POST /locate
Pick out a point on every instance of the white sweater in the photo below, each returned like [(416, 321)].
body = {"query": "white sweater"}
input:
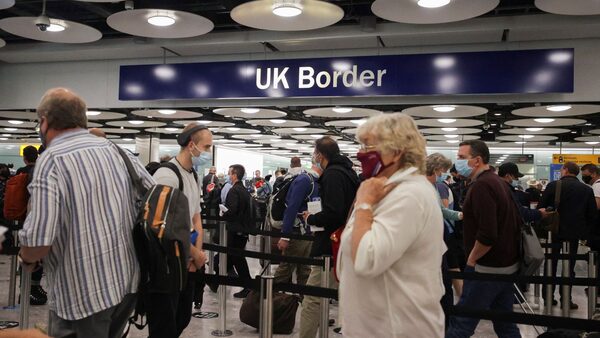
[(395, 287)]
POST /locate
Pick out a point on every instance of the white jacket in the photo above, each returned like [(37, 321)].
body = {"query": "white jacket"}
[(395, 287)]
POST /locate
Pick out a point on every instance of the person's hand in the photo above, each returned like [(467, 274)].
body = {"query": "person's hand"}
[(543, 212), (461, 216), (283, 244), (198, 258), (305, 216), (373, 190)]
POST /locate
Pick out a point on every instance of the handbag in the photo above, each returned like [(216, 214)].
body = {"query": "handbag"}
[(552, 221)]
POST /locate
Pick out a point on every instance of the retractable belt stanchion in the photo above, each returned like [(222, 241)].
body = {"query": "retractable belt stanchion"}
[(209, 254), (324, 325), (537, 291), (592, 273), (12, 284), (548, 296), (222, 331), (25, 292), (266, 307), (565, 296)]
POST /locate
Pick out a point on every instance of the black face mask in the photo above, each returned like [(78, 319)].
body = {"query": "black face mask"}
[(586, 179)]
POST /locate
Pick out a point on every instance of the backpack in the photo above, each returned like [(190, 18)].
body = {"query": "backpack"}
[(276, 204), (161, 237), (16, 198), (284, 311)]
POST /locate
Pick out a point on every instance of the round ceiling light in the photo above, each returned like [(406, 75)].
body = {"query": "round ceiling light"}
[(526, 136), (446, 120), (287, 9), (534, 129), (161, 20), (249, 110), (451, 136), (592, 142), (55, 28), (136, 122), (449, 129), (233, 128), (341, 110), (359, 122), (167, 111), (433, 3), (444, 109), (558, 108), (10, 129), (452, 141), (58, 31), (171, 129), (544, 120), (92, 113), (278, 121), (15, 122), (300, 129)]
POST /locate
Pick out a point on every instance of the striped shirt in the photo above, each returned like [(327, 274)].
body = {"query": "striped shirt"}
[(82, 206)]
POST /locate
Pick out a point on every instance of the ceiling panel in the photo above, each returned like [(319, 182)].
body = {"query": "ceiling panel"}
[(557, 33), (316, 44), (442, 38), (233, 48)]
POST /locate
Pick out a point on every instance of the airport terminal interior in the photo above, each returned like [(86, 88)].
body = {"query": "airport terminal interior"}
[(268, 78)]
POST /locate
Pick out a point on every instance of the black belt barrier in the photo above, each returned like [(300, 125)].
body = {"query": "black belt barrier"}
[(261, 255), (523, 279)]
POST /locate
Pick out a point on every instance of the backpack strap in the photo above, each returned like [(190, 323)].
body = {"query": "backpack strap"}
[(557, 195), (174, 168), (135, 178)]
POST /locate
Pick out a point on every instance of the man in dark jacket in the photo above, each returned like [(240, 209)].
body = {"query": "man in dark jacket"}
[(577, 210), (238, 212), (337, 185), (509, 172), (209, 179)]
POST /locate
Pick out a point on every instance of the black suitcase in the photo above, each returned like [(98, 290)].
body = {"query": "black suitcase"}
[(284, 311)]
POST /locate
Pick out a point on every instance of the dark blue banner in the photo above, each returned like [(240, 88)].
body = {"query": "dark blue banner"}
[(499, 72)]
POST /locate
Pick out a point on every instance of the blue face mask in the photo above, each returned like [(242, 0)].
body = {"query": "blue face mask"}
[(462, 167), (440, 179), (515, 183), (202, 160)]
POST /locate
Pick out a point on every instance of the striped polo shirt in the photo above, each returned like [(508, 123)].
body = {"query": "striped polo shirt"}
[(82, 206)]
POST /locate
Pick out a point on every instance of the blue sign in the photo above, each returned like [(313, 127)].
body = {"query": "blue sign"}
[(525, 71)]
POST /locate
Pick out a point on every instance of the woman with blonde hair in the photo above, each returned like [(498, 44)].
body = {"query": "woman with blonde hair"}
[(391, 249)]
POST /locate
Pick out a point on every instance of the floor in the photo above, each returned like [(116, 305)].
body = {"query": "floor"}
[(203, 327)]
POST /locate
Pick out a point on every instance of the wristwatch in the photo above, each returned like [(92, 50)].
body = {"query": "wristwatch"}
[(363, 206)]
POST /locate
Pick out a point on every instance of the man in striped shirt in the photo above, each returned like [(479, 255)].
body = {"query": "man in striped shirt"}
[(80, 223)]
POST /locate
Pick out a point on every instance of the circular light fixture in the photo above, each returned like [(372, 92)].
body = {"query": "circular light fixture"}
[(167, 111), (92, 113), (558, 108), (592, 142), (358, 122), (136, 122), (521, 142), (171, 129), (444, 109), (127, 139), (54, 27), (15, 122), (433, 3), (452, 141), (287, 9), (6, 135), (276, 121), (315, 136), (498, 114), (573, 132), (534, 129), (526, 136), (233, 128), (544, 120), (249, 110), (451, 136), (300, 129), (449, 129), (446, 120), (341, 110), (161, 20), (204, 122), (10, 129)]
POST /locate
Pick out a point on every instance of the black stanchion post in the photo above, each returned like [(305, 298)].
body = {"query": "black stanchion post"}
[(592, 273), (537, 291), (565, 296), (222, 331), (210, 255), (25, 292), (266, 307), (324, 325), (548, 296)]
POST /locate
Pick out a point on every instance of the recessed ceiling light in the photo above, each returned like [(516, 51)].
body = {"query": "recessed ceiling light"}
[(15, 122), (161, 20), (55, 28), (6, 135), (93, 113), (249, 110), (526, 136), (493, 124), (127, 139), (498, 114), (287, 8), (315, 136), (359, 122), (544, 120), (449, 129), (204, 121), (233, 128), (521, 142), (433, 3), (446, 120), (588, 124), (136, 122), (3, 139), (444, 109), (558, 108), (300, 129), (573, 132), (277, 121), (534, 129), (167, 111), (451, 136), (341, 110), (171, 129), (592, 142), (452, 141), (10, 129)]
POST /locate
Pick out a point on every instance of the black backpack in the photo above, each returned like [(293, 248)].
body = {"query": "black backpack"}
[(161, 236), (277, 199)]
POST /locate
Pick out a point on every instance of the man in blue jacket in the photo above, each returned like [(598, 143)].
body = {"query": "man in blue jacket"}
[(302, 189)]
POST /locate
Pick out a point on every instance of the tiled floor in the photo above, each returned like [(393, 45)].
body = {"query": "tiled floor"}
[(204, 327)]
